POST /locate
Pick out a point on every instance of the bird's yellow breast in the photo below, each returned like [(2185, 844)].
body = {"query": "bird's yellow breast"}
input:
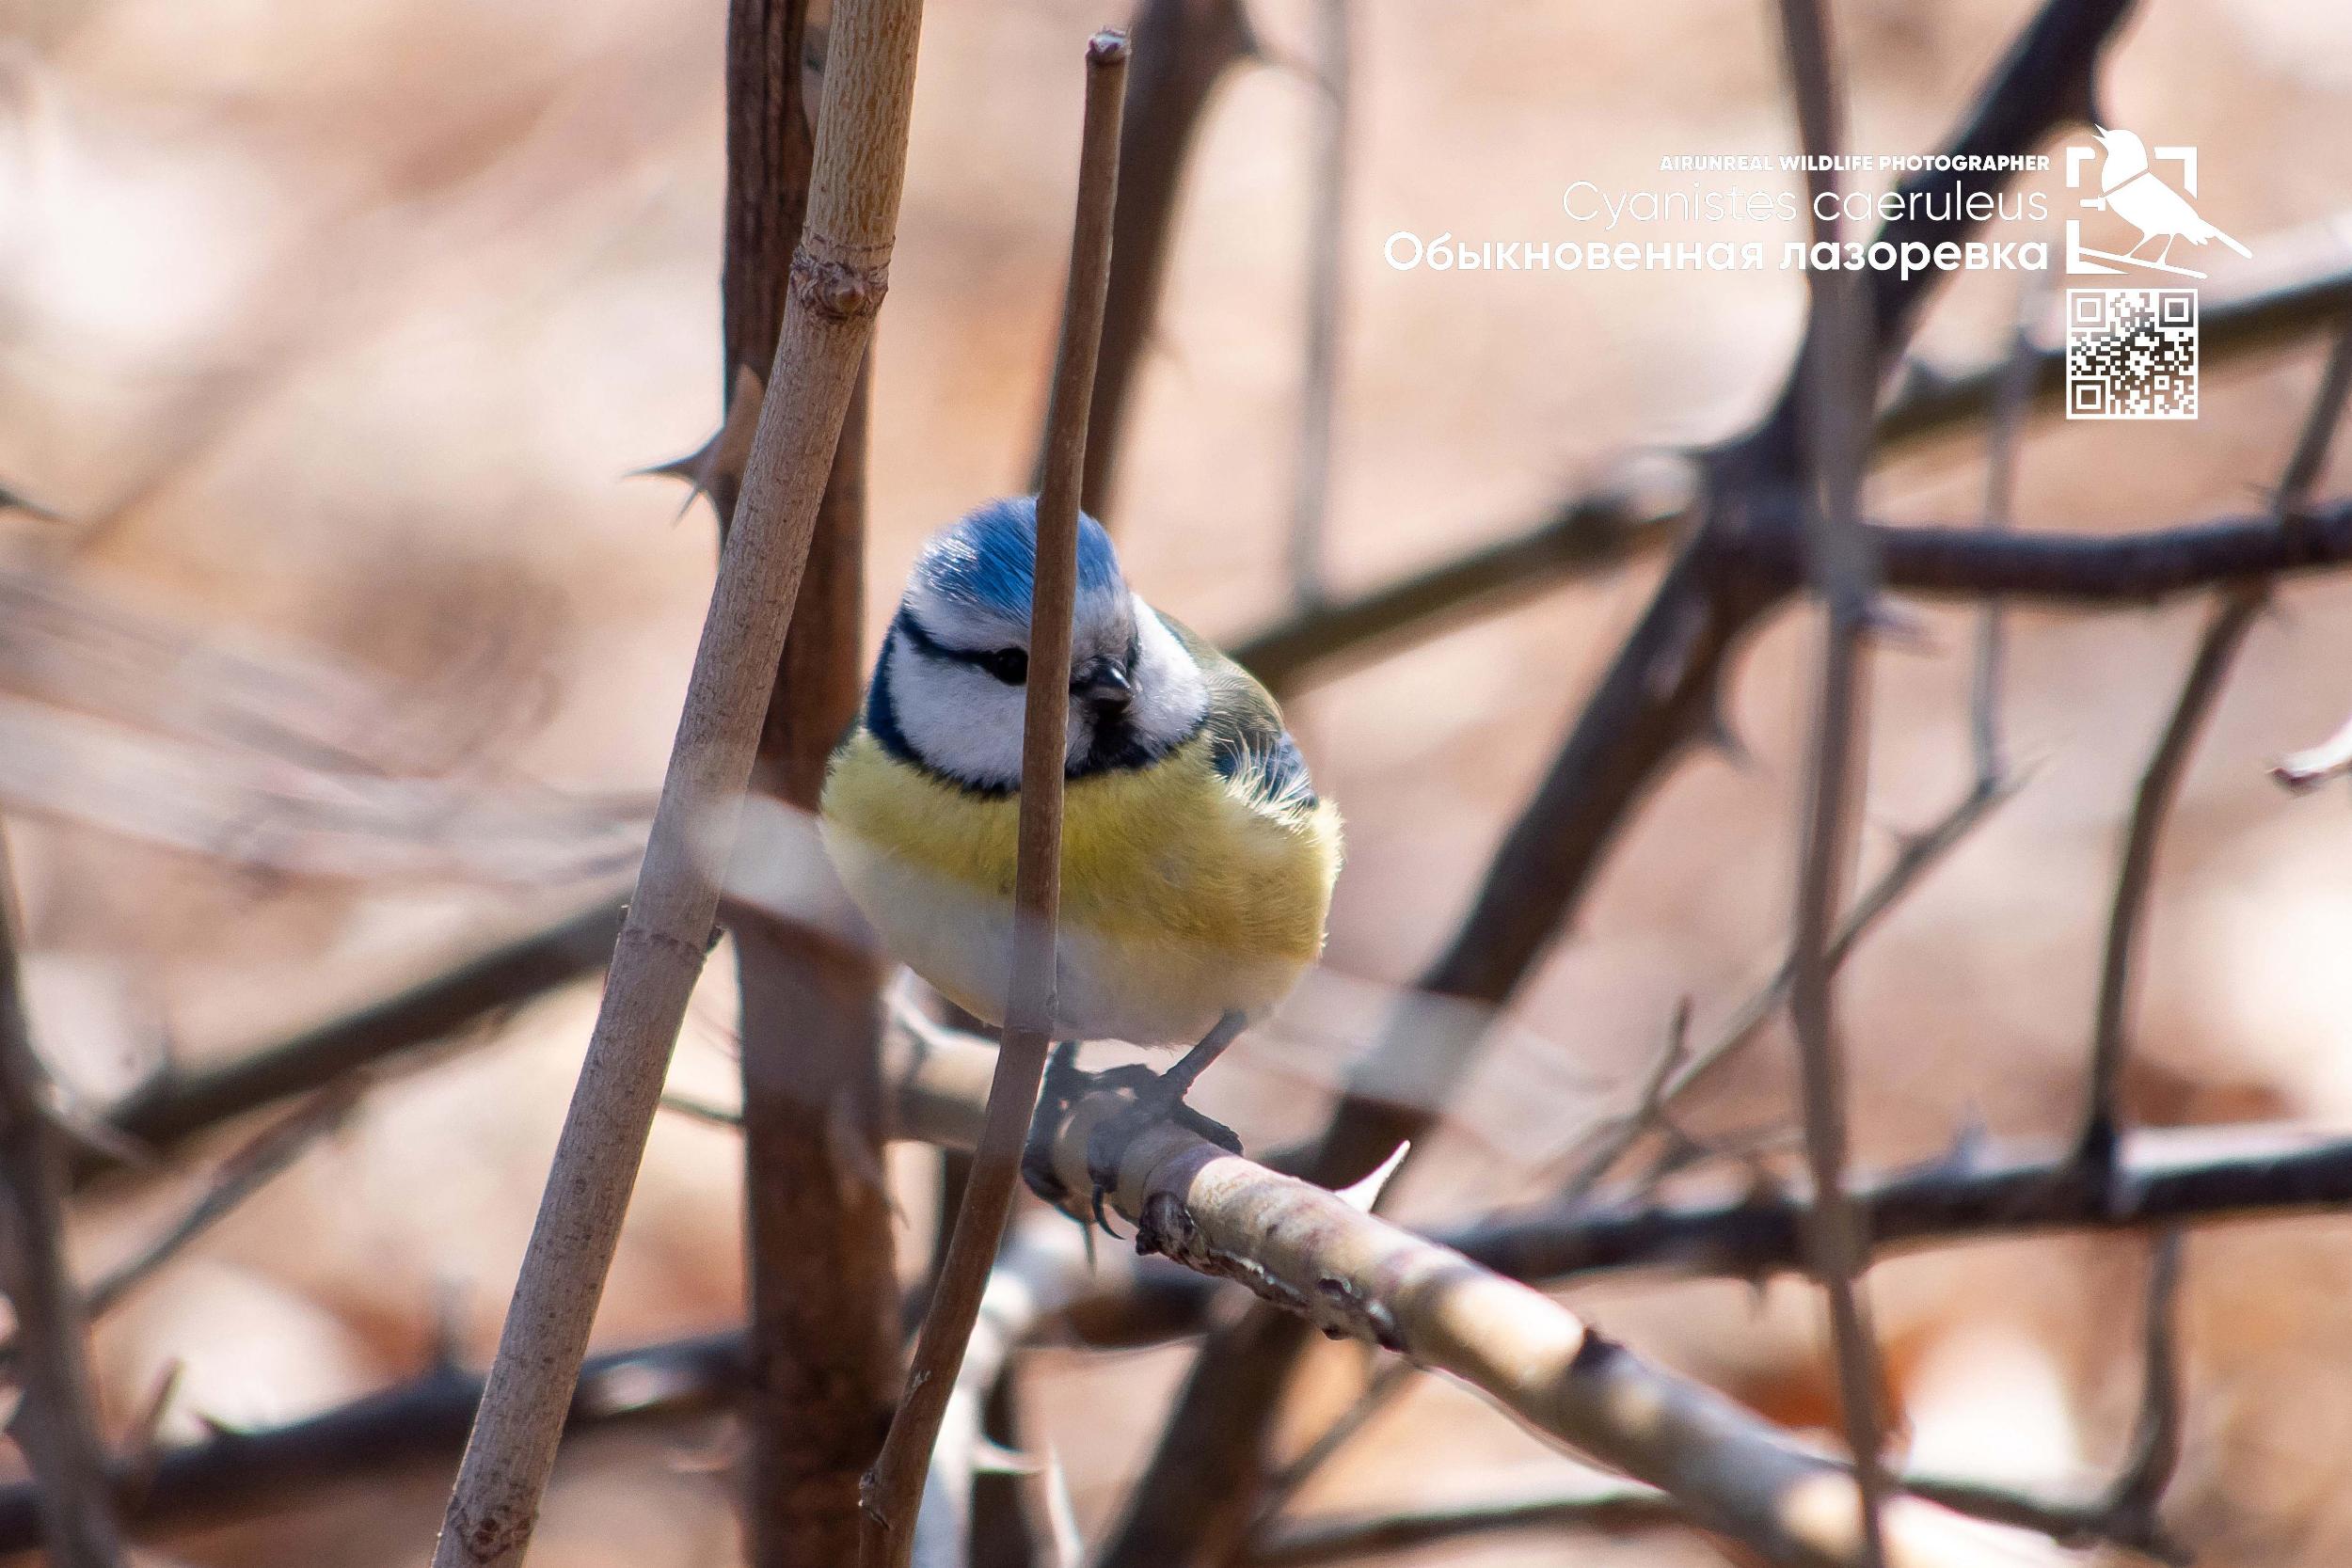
[(1183, 896)]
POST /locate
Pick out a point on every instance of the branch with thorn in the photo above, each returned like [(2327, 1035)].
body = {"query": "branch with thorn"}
[(2233, 618), (839, 276), (55, 1421), (1313, 1253)]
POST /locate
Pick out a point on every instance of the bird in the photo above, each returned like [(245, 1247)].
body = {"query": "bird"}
[(2130, 189), (1198, 860)]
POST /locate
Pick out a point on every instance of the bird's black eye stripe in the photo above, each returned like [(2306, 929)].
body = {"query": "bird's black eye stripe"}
[(1010, 665)]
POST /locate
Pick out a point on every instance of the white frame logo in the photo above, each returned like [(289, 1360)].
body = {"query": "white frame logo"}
[(2130, 185)]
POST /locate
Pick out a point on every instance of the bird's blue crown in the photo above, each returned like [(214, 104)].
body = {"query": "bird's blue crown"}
[(988, 560)]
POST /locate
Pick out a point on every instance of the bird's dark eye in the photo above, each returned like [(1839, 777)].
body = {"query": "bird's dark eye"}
[(1010, 665)]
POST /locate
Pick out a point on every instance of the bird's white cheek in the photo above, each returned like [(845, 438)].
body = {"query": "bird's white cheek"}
[(962, 720), (1171, 699)]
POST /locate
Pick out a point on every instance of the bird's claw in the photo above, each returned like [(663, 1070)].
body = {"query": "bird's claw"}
[(1157, 1100)]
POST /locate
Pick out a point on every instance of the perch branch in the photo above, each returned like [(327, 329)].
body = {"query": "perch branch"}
[(838, 278), (895, 1487), (1310, 1254), (2165, 1180), (2056, 569)]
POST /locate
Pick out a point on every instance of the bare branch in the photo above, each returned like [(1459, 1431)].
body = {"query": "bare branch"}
[(1601, 529), (2000, 502), (178, 1107), (55, 1423), (1310, 1254), (1930, 402), (894, 1486), (1379, 1392), (824, 1353), (1612, 1511), (269, 1155), (2089, 571), (1844, 576), (1590, 532), (240, 1472), (2155, 1453), (838, 280), (1327, 221), (1041, 1269), (2180, 1177), (1621, 1511), (1182, 50), (2310, 769), (2160, 784), (249, 1472), (1920, 853)]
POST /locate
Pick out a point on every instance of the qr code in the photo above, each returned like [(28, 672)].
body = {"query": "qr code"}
[(2131, 353)]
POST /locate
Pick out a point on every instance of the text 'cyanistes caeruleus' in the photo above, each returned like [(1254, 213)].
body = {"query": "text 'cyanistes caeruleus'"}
[(1197, 859)]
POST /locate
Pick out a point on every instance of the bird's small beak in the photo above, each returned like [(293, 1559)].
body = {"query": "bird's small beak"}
[(1103, 684)]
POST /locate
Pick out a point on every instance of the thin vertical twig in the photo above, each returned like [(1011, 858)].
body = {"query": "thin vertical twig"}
[(1834, 418), (838, 278), (2002, 440), (1182, 50), (894, 1488), (1326, 227), (822, 1347), (2159, 790), (55, 1423), (2156, 1434)]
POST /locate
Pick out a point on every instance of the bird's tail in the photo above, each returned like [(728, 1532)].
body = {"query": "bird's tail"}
[(2232, 244)]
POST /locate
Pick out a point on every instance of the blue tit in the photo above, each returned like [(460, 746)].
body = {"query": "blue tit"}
[(1196, 861)]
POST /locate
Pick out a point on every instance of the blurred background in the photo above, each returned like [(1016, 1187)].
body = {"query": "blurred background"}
[(329, 334)]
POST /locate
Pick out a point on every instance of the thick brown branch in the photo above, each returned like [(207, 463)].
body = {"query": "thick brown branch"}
[(838, 280), (823, 1358)]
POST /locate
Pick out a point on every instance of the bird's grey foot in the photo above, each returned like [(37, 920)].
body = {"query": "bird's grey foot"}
[(1155, 1098), (1064, 1086)]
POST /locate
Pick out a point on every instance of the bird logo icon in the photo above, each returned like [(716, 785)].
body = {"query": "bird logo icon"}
[(2130, 188)]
